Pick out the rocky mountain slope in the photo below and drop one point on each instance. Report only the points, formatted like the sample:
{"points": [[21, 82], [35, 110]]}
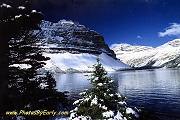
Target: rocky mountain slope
{"points": [[73, 47], [167, 55], [72, 37]]}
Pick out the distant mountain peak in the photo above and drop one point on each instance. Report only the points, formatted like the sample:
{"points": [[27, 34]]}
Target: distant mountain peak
{"points": [[174, 43], [166, 55], [66, 22], [129, 48]]}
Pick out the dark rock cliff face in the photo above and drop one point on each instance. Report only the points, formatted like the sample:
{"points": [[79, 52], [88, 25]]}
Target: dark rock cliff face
{"points": [[72, 37]]}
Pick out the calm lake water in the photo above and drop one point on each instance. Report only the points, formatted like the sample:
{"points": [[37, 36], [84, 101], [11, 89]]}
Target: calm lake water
{"points": [[156, 91]]}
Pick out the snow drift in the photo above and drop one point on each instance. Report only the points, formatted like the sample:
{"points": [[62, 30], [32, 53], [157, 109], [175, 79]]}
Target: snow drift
{"points": [[68, 62]]}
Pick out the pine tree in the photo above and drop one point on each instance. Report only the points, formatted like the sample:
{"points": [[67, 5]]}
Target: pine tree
{"points": [[27, 87], [15, 16], [25, 59], [102, 101]]}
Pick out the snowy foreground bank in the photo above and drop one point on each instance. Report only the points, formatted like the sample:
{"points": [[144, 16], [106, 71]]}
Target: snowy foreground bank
{"points": [[68, 62]]}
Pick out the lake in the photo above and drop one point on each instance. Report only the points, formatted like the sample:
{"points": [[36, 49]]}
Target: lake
{"points": [[155, 91]]}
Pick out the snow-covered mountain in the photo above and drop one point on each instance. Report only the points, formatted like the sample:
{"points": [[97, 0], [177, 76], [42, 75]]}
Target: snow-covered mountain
{"points": [[167, 55], [73, 47], [72, 37]]}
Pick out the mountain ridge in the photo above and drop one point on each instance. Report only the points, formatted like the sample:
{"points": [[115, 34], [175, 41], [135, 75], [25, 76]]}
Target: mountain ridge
{"points": [[166, 55], [67, 34]]}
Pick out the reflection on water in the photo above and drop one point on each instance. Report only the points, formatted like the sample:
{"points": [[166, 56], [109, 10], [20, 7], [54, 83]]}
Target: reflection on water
{"points": [[74, 83], [157, 91]]}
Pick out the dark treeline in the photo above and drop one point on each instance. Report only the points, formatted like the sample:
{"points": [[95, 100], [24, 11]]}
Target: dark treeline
{"points": [[22, 83]]}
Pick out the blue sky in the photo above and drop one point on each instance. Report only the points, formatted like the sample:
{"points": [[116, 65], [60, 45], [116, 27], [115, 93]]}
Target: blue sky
{"points": [[137, 22]]}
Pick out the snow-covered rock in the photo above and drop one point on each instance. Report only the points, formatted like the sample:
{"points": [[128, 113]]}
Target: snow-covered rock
{"points": [[72, 47], [167, 55], [72, 37]]}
